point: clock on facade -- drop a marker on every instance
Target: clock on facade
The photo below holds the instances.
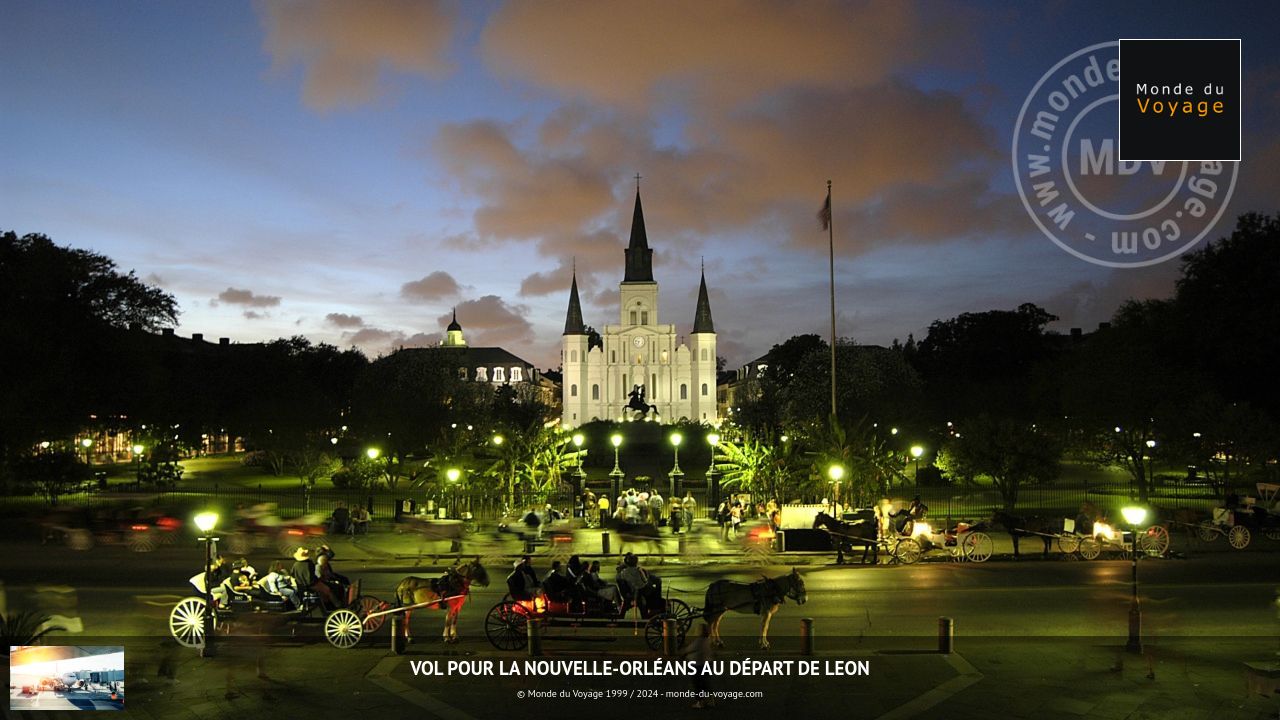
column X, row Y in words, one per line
column 638, row 341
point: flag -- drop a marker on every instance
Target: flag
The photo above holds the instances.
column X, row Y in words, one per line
column 824, row 215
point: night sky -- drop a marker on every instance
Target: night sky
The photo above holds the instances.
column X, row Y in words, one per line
column 350, row 171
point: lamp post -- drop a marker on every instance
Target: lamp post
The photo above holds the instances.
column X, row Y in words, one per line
column 615, row 475
column 1135, row 516
column 206, row 522
column 676, row 474
column 137, row 463
column 87, row 443
column 1151, row 462
column 453, row 474
column 578, row 474
column 836, row 473
column 712, row 485
column 916, row 452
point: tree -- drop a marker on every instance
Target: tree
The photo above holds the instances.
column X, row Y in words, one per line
column 1009, row 452
column 54, row 473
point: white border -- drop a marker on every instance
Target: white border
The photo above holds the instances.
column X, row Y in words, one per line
column 1239, row 94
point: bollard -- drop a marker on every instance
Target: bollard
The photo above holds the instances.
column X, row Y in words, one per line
column 946, row 635
column 682, row 543
column 781, row 539
column 604, row 543
column 397, row 634
column 806, row 636
column 670, row 636
column 533, row 630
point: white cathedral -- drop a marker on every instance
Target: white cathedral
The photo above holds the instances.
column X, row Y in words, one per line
column 640, row 358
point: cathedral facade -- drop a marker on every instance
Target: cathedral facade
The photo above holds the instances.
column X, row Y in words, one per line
column 639, row 361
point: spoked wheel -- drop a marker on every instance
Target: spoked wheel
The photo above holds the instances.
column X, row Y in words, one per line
column 1155, row 541
column 141, row 541
column 186, row 622
column 240, row 543
column 1090, row 548
column 343, row 628
column 1069, row 543
column 366, row 604
column 908, row 551
column 505, row 626
column 653, row 630
column 977, row 547
column 1207, row 532
column 1239, row 537
column 1272, row 533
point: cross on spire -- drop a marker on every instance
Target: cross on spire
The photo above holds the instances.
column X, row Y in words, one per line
column 637, row 182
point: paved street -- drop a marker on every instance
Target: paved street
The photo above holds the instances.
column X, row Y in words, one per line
column 1041, row 637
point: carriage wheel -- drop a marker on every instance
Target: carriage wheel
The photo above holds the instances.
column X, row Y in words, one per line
column 1207, row 533
column 908, row 551
column 288, row 544
column 186, row 622
column 343, row 628
column 978, row 547
column 1069, row 544
column 1090, row 548
column 681, row 611
column 79, row 539
column 240, row 543
column 366, row 604
column 141, row 541
column 1155, row 541
column 1272, row 533
column 1239, row 537
column 653, row 630
column 505, row 626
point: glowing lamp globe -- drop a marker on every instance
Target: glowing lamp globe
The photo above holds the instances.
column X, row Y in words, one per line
column 1134, row 515
column 676, row 439
column 453, row 474
column 206, row 521
column 916, row 451
column 616, row 440
column 373, row 453
column 835, row 472
column 713, row 439
column 578, row 439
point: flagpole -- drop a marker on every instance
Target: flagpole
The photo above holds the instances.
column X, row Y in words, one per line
column 831, row 257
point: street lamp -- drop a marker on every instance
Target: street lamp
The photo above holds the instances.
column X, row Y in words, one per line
column 836, row 473
column 916, row 452
column 497, row 439
column 1135, row 516
column 206, row 522
column 1151, row 462
column 615, row 475
column 86, row 444
column 453, row 474
column 137, row 463
column 676, row 474
column 578, row 475
column 372, row 453
column 714, row 441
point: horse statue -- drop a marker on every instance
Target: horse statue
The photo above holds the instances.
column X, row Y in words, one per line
column 637, row 403
column 762, row 597
column 1030, row 526
column 448, row 593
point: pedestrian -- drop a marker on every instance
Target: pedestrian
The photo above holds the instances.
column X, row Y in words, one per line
column 690, row 509
column 603, row 505
column 657, row 506
column 735, row 517
column 676, row 512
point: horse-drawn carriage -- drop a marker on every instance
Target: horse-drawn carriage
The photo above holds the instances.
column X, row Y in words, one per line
column 1238, row 520
column 908, row 539
column 506, row 625
column 1087, row 536
column 342, row 627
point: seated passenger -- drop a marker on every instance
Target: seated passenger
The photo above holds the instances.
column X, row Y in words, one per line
column 523, row 583
column 593, row 582
column 557, row 584
column 279, row 584
column 638, row 586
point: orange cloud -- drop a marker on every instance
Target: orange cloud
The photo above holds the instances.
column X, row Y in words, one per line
column 344, row 47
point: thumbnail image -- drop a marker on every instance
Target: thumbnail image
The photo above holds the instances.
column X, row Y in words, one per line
column 66, row 677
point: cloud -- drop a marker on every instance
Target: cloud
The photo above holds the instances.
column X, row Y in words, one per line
column 490, row 320
column 232, row 296
column 380, row 341
column 344, row 46
column 722, row 52
column 253, row 315
column 435, row 286
column 343, row 320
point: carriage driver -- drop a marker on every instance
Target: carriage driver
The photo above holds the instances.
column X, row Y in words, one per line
column 523, row 583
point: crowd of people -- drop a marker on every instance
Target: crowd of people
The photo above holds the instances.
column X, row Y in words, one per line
column 578, row 581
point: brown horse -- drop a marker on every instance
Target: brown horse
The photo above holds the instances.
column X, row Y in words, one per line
column 443, row 593
column 762, row 597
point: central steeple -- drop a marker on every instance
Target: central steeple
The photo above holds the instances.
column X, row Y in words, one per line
column 639, row 255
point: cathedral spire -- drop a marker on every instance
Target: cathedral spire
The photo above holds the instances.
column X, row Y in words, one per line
column 702, row 318
column 639, row 256
column 573, row 324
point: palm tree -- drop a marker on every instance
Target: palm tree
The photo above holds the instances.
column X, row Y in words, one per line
column 24, row 628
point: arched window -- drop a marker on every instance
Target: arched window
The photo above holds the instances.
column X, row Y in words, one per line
column 482, row 374
column 704, row 389
column 573, row 391
column 654, row 384
column 573, row 356
column 613, row 356
column 595, row 392
column 633, row 317
column 499, row 375
column 684, row 391
column 462, row 373
column 516, row 374
column 704, row 354
column 644, row 317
